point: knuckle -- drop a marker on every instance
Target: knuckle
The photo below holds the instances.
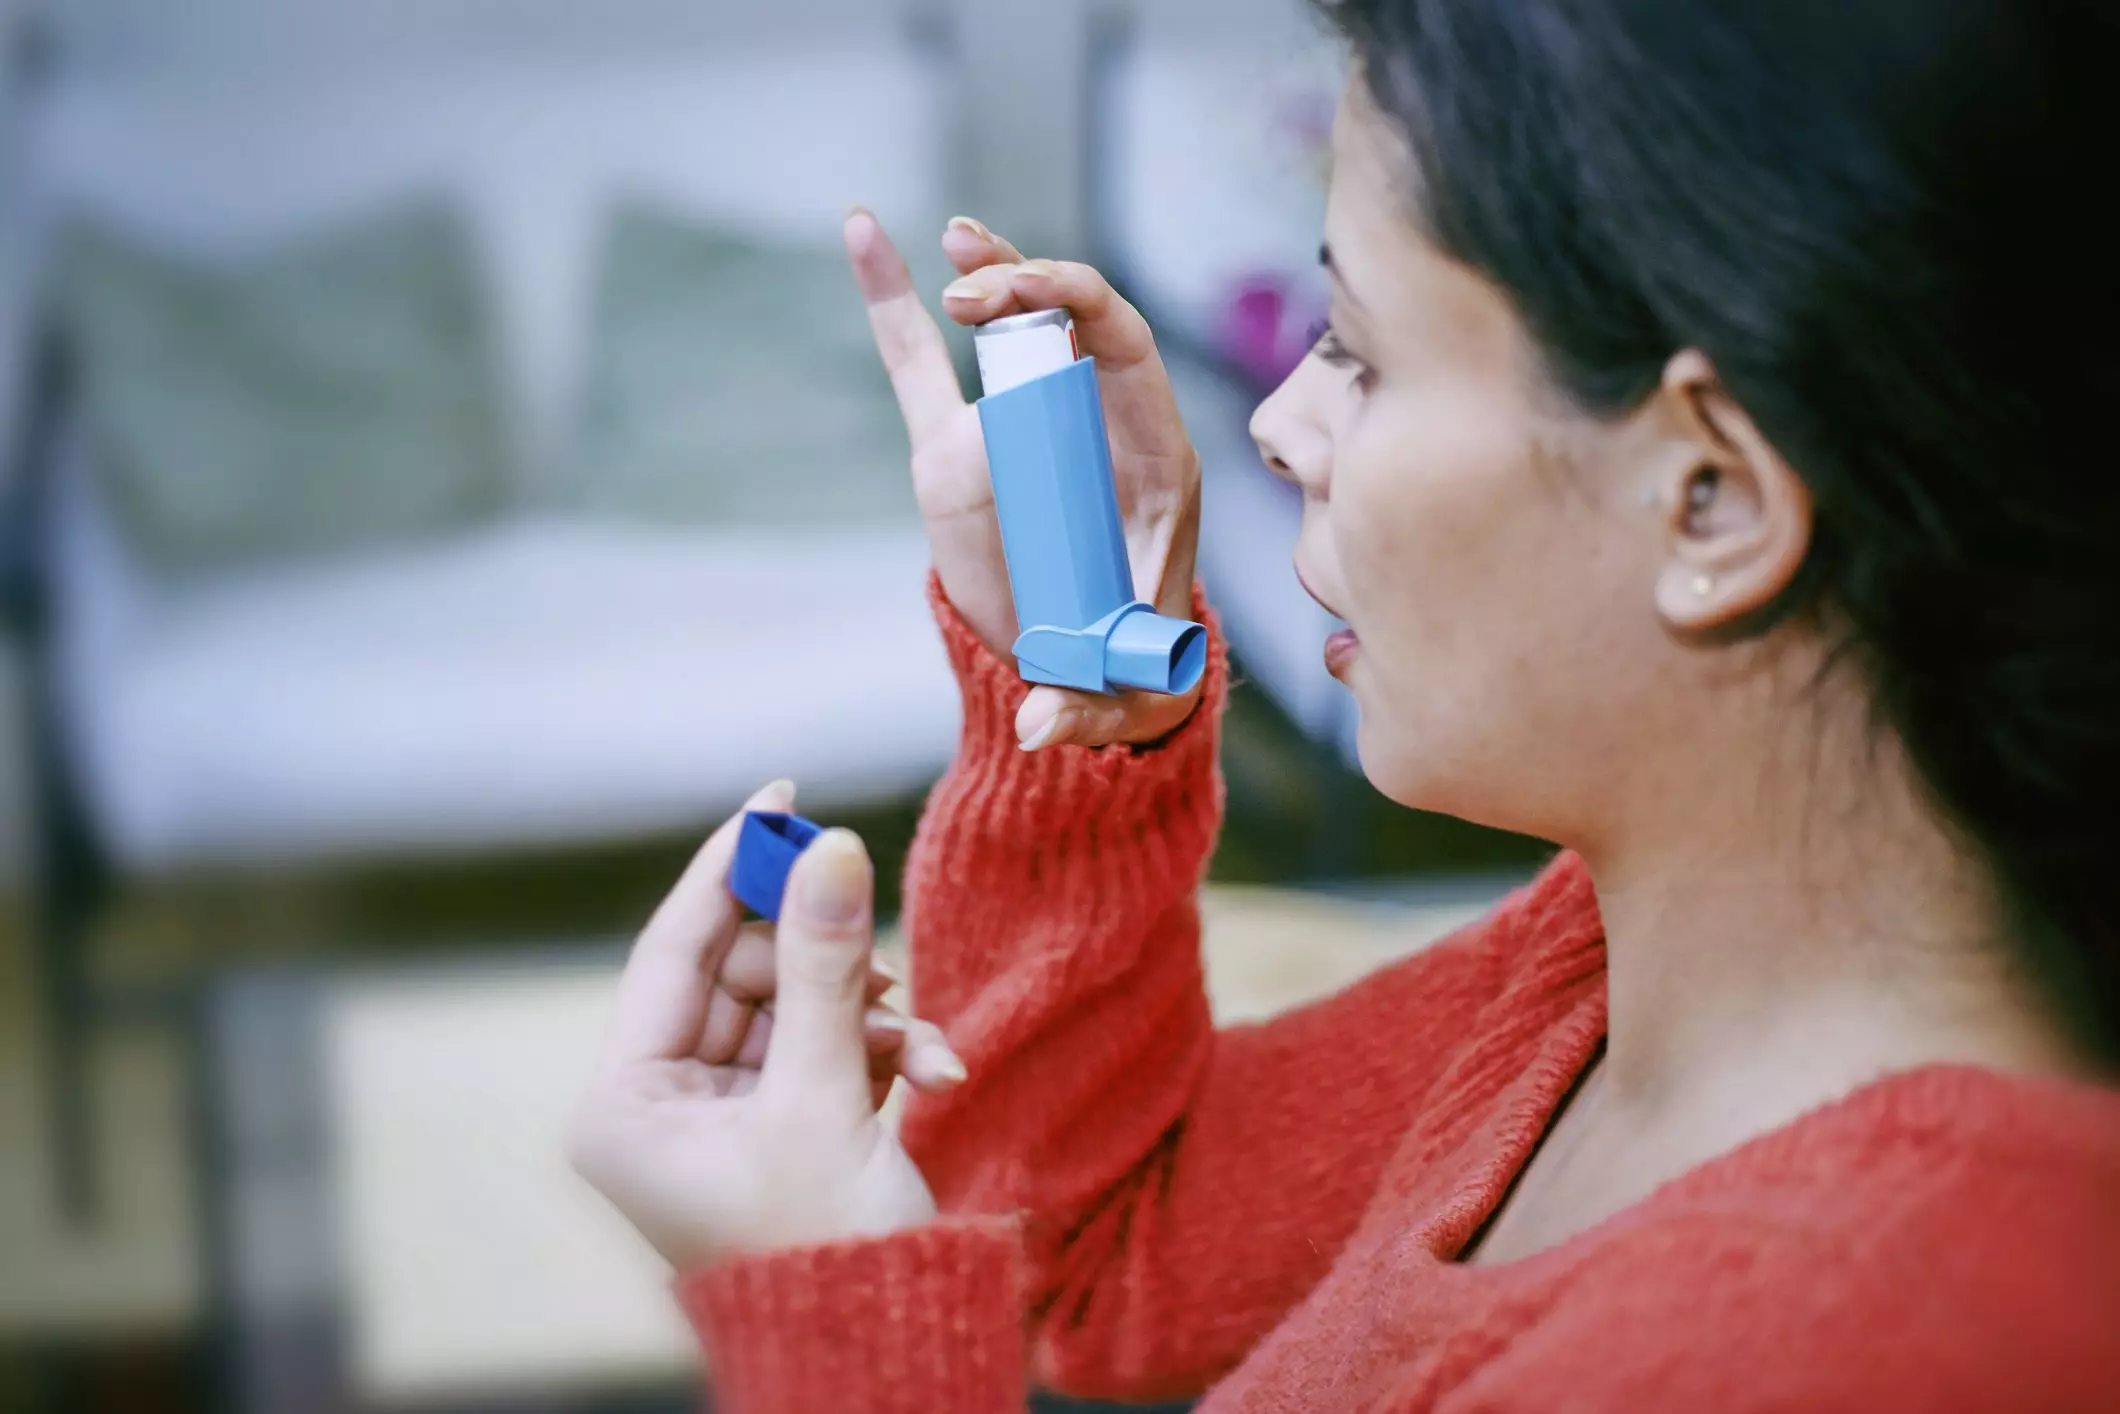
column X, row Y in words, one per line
column 835, row 959
column 1092, row 283
column 895, row 345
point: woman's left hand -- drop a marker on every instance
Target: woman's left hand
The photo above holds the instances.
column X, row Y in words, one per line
column 734, row 1108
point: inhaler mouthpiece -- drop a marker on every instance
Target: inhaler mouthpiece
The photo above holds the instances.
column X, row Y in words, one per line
column 1079, row 624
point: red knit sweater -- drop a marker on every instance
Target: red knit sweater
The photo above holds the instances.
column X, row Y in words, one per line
column 1139, row 1206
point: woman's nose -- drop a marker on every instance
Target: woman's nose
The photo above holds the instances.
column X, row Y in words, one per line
column 1291, row 439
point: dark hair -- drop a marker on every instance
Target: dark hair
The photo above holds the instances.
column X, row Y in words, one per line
column 1879, row 219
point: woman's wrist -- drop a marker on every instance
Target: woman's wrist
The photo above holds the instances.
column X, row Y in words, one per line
column 1040, row 718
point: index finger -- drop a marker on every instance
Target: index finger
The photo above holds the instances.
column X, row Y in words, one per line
column 661, row 1009
column 907, row 337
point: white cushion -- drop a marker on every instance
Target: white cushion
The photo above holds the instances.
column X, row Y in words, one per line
column 541, row 681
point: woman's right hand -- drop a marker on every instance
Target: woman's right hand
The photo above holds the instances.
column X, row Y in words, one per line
column 1155, row 468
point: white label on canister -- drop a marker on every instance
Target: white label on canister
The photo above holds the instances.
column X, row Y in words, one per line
column 1015, row 350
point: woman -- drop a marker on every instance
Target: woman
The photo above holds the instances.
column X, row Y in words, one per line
column 1709, row 453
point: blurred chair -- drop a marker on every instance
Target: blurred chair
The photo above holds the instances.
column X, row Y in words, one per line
column 551, row 674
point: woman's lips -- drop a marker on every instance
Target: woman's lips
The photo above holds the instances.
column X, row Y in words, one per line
column 1341, row 649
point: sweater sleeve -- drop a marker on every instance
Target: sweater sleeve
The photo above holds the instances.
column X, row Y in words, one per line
column 1179, row 1189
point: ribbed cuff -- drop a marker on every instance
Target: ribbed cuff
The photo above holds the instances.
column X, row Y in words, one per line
column 928, row 1321
column 1039, row 794
column 993, row 690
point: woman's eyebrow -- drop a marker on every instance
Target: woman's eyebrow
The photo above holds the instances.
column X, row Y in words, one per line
column 1339, row 277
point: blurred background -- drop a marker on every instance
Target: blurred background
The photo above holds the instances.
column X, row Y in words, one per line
column 444, row 472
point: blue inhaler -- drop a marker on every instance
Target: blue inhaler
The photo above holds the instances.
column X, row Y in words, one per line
column 1078, row 622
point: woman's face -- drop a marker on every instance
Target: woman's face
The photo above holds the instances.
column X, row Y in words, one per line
column 1489, row 548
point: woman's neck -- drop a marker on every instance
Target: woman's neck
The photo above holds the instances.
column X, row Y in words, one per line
column 1773, row 947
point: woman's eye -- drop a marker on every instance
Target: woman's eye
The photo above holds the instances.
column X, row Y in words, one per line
column 1325, row 342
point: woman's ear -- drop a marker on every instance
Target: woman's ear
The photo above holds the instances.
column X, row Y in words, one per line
column 1737, row 518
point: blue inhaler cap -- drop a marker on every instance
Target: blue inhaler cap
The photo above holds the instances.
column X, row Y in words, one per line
column 767, row 845
column 1080, row 625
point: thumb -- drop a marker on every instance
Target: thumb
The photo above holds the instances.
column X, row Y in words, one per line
column 1052, row 716
column 821, row 993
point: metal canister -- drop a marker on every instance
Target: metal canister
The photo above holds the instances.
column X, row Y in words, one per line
column 1019, row 347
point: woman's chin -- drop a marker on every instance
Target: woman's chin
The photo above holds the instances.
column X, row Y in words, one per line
column 1401, row 764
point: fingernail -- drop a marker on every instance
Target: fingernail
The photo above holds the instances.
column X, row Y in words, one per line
column 835, row 883
column 782, row 790
column 966, row 288
column 1039, row 270
column 1045, row 733
column 933, row 1066
column 884, row 1019
column 887, row 970
column 966, row 223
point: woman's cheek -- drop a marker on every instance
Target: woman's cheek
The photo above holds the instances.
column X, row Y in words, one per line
column 1364, row 496
column 1382, row 525
column 1421, row 530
